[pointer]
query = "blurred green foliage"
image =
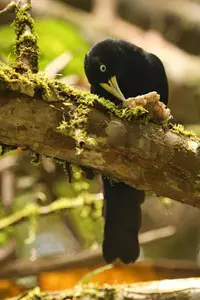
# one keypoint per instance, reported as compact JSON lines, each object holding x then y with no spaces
{"x":87,"y":223}
{"x":54,"y":38}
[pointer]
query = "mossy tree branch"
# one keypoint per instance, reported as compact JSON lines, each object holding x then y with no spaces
{"x":163,"y":290}
{"x":79,"y":127}
{"x":26,"y":47}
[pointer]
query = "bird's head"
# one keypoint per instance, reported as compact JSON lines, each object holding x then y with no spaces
{"x":106,"y":66}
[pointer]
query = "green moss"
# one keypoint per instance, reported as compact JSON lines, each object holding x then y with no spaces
{"x":178,"y":128}
{"x":112,"y":179}
{"x":56,"y":37}
{"x":135,"y":113}
{"x":23,"y":19}
{"x":130,"y":114}
{"x":27,"y":84}
{"x":26,"y":47}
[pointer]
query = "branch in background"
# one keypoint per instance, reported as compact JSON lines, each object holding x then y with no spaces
{"x":83,"y":259}
{"x":57,"y":65}
{"x":105,"y":10}
{"x":69,"y":203}
{"x":9,"y":9}
{"x":186,"y":289}
{"x":156,"y":234}
{"x":8,"y":162}
{"x":56,"y":206}
{"x":178,"y":21}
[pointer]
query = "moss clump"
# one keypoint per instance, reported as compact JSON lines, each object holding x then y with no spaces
{"x":26,"y":47}
{"x":75,"y":127}
{"x":135,"y":113}
{"x":129,"y":114}
{"x":178,"y":128}
{"x":23,"y":19}
{"x":28,"y":84}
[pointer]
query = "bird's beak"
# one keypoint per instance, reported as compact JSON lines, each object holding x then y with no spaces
{"x":113,"y":88}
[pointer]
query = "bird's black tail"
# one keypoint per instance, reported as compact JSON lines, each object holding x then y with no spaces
{"x":122,"y":221}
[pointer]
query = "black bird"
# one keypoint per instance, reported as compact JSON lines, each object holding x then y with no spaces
{"x":117,"y":70}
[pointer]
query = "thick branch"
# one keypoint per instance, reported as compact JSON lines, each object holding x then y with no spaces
{"x":167,"y":289}
{"x":146,"y":156}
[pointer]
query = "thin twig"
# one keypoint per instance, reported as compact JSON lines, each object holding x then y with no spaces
{"x":35,"y":209}
{"x":57,"y":65}
{"x":10,"y":8}
{"x":156,"y":234}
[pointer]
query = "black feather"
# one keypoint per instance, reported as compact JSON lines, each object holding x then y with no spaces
{"x":137,"y":72}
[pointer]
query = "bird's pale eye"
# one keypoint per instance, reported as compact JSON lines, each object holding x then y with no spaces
{"x":102,"y":68}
